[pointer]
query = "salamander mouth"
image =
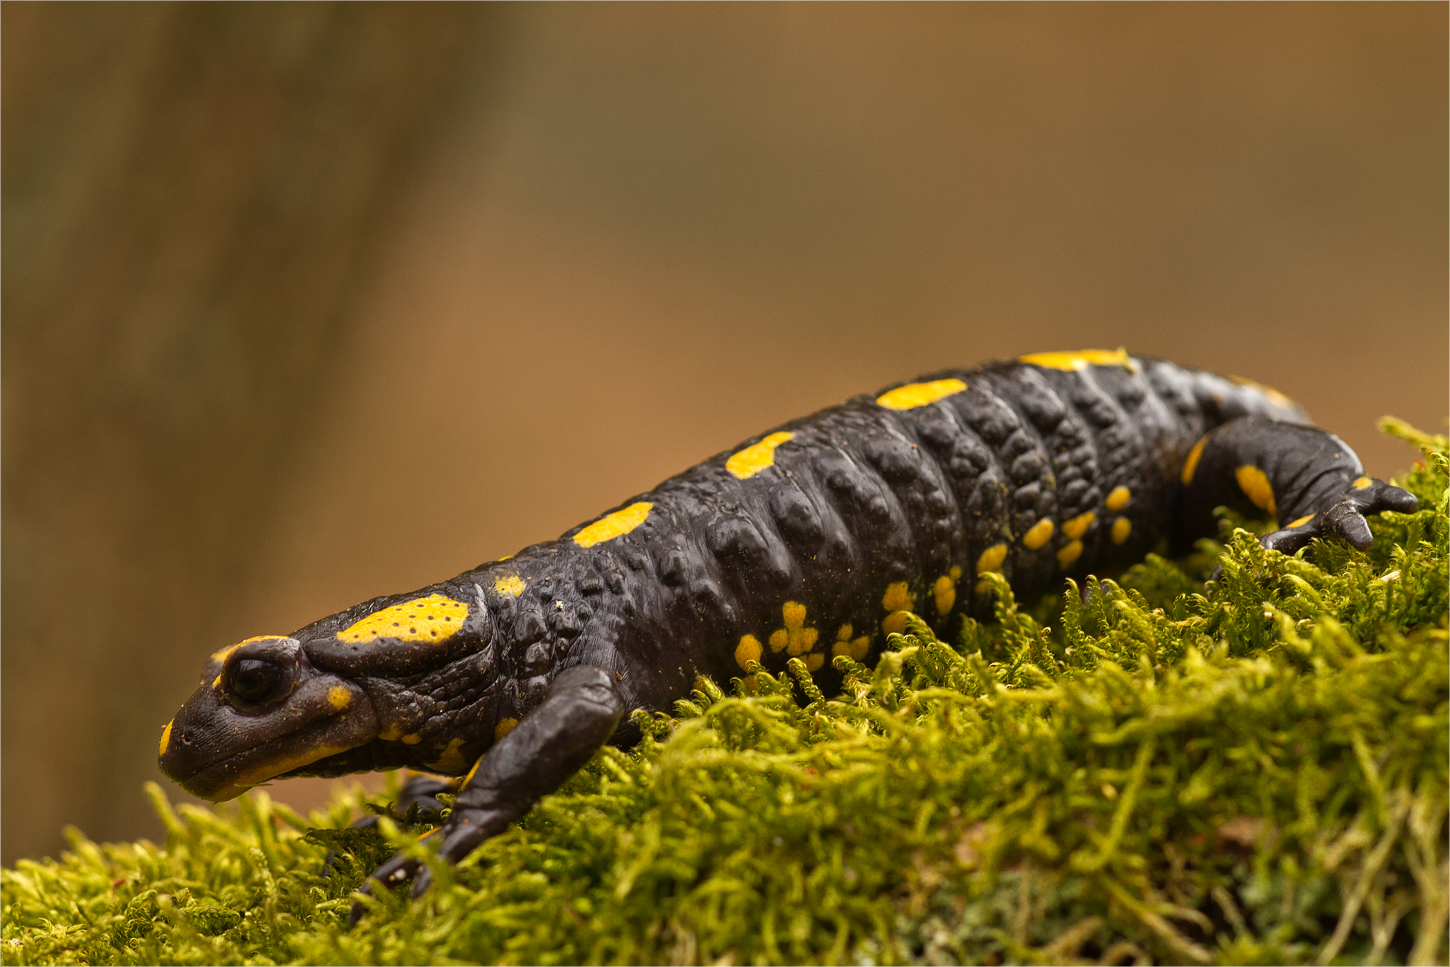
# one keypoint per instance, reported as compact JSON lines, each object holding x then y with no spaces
{"x":217,"y":753}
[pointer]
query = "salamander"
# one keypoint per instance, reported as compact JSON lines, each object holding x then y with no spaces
{"x":810,"y":541}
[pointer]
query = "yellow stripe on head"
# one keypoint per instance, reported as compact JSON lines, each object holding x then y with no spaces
{"x":435,"y":618}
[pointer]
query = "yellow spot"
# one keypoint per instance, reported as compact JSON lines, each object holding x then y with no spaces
{"x":412,"y":738}
{"x":1078,"y":526}
{"x":1122,"y":527}
{"x":610,"y":526}
{"x":1118,"y":499}
{"x":1301,"y":521}
{"x":757,"y":456}
{"x":1255,"y":486}
{"x":1190,"y":466}
{"x":894,"y":623}
{"x":216,"y":682}
{"x":898,"y":597}
{"x":392,"y":733}
{"x":509,"y":585}
{"x":1069,"y":553}
{"x":338,"y":697}
{"x":912,"y":395}
{"x":794,"y":614}
{"x":432,"y":619}
{"x":747,"y":651}
{"x":944,"y":592}
{"x":852,"y":647}
{"x":1362,"y":482}
{"x":1082,"y":359}
{"x":166,"y":736}
{"x":814,"y":662}
{"x":794,"y":637}
{"x":451,"y":761}
{"x":504,"y":727}
{"x":992,"y":558}
{"x":1275,"y":397}
{"x":469,"y":778}
{"x":1038,"y":535}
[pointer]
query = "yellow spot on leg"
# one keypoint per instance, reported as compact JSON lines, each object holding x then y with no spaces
{"x":1362,"y":482}
{"x":1190,"y":466}
{"x":798,"y":638}
{"x":779,"y":638}
{"x":1038,"y":535}
{"x":1301,"y":521}
{"x":1122,"y":527}
{"x":944,"y":593}
{"x":338,"y":697}
{"x":912,"y":395}
{"x":748,"y":650}
{"x":794,"y":614}
{"x":166,"y":736}
{"x":894,"y":623}
{"x":509,"y":585}
{"x":992,"y":558}
{"x":756,"y":457}
{"x":898,"y":597}
{"x":617,"y":524}
{"x":1255,"y":486}
{"x":503,"y":728}
{"x":1069,"y":553}
{"x":1078,"y":526}
{"x":451,"y":762}
{"x":1118,"y":499}
{"x":814,"y":662}
{"x":412,"y":738}
{"x":433,"y":619}
{"x":1081,"y":359}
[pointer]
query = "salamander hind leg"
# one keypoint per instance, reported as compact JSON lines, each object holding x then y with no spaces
{"x":578,"y":715}
{"x":1308,"y":479}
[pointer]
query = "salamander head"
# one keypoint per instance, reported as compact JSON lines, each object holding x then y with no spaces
{"x":347,"y":694}
{"x":263,"y":709}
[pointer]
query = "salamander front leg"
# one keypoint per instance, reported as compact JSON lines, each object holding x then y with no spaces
{"x":578,"y":715}
{"x":1309,"y":479}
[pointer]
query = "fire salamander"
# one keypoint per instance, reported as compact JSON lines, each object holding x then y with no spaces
{"x":809,"y":541}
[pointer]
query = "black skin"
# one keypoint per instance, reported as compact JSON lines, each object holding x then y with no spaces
{"x":866,"y":508}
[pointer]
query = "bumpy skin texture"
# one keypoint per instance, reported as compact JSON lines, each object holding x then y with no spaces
{"x":805,"y":542}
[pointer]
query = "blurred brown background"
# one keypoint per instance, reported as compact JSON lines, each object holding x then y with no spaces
{"x":304,"y":304}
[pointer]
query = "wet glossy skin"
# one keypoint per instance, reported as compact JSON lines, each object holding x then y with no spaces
{"x":809,"y":542}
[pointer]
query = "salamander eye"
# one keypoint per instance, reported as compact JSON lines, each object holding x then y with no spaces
{"x":258,"y":682}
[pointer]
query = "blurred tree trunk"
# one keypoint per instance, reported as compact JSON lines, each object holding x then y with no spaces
{"x":190,"y":192}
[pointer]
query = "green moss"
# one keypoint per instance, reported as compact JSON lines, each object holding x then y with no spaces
{"x":1252,"y":772}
